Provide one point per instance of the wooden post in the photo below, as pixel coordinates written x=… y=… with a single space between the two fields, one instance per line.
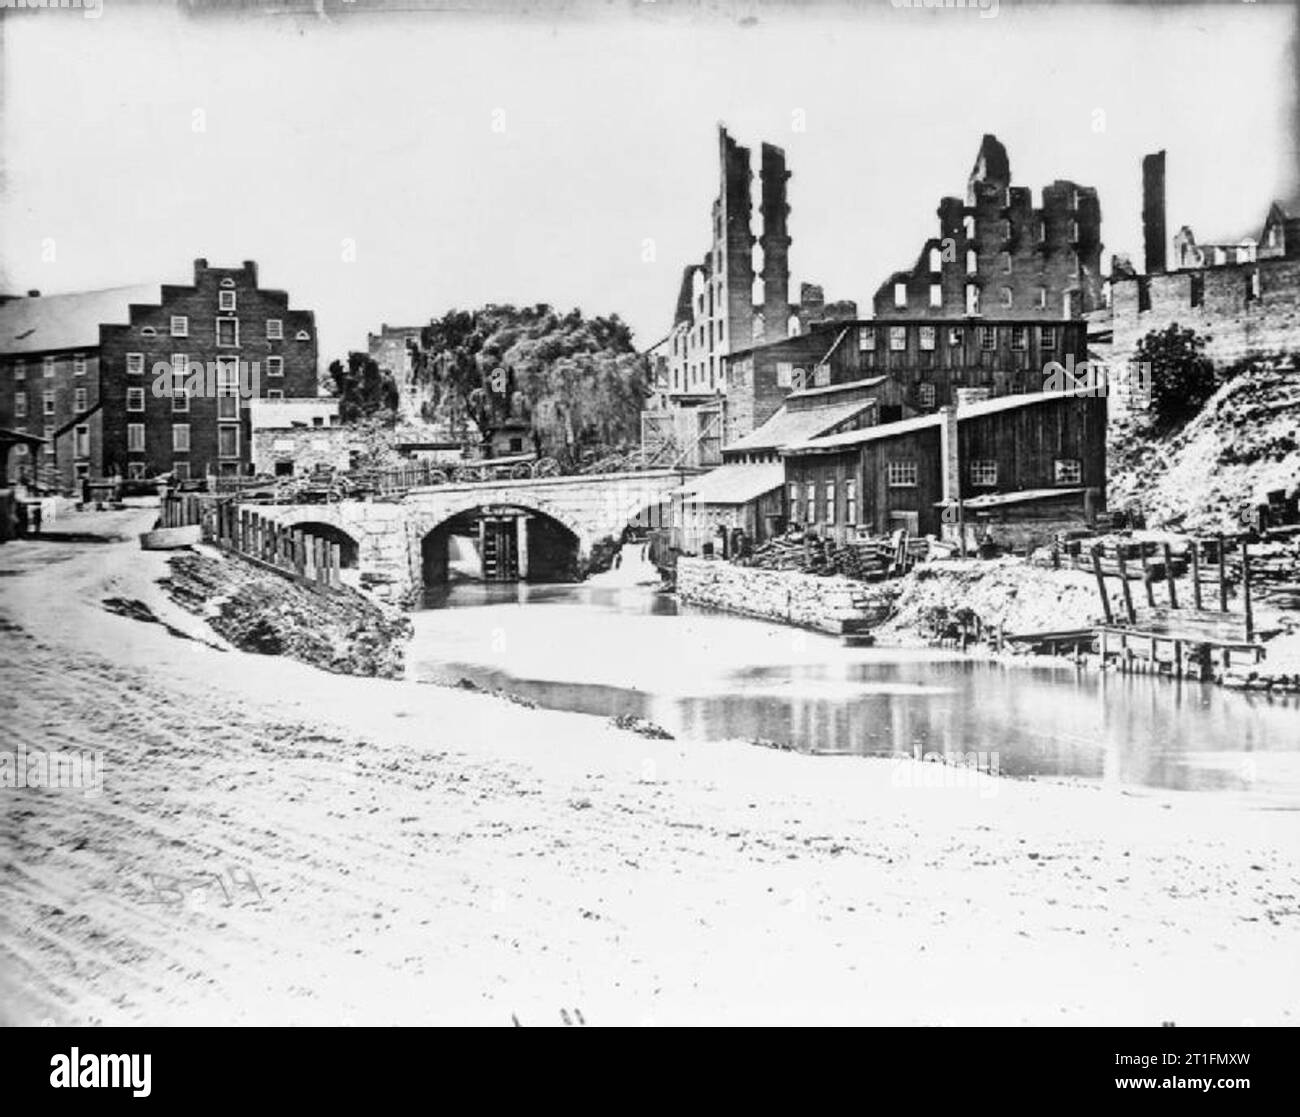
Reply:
x=1178 y=659
x=1169 y=577
x=1223 y=575
x=336 y=561
x=1196 y=572
x=1246 y=603
x=1146 y=577
x=1124 y=586
x=1101 y=586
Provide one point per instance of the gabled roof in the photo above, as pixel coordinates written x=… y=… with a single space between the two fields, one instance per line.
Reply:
x=51 y=322
x=790 y=425
x=734 y=483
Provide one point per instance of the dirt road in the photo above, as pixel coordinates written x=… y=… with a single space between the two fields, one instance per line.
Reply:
x=397 y=853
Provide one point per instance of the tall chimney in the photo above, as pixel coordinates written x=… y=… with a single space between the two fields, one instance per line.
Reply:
x=1153 y=213
x=775 y=242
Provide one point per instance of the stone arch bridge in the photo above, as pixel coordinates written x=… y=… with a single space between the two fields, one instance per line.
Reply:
x=550 y=522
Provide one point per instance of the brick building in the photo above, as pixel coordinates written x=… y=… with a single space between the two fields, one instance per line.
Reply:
x=50 y=379
x=723 y=303
x=390 y=350
x=255 y=343
x=998 y=256
x=1241 y=294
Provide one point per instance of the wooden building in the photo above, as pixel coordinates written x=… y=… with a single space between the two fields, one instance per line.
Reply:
x=733 y=496
x=1013 y=469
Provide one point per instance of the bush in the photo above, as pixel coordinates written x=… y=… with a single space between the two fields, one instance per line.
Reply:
x=1182 y=377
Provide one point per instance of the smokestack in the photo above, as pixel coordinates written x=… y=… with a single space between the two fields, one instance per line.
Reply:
x=1153 y=213
x=776 y=242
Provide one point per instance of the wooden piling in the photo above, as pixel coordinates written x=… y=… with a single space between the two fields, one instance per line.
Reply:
x=1124 y=586
x=1196 y=573
x=1247 y=604
x=1223 y=574
x=1101 y=585
x=1146 y=577
x=1169 y=576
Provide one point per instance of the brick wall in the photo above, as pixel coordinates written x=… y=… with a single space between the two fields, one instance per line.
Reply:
x=1236 y=325
x=150 y=335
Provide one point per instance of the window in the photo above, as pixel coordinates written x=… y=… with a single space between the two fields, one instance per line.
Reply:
x=180 y=399
x=1019 y=338
x=1042 y=231
x=81 y=441
x=1006 y=228
x=810 y=491
x=48 y=408
x=1197 y=290
x=794 y=500
x=968 y=227
x=78 y=364
x=180 y=438
x=181 y=470
x=851 y=501
x=1069 y=471
x=972 y=262
x=936 y=260
x=901 y=473
x=82 y=469
x=784 y=373
x=936 y=295
x=955 y=335
x=79 y=400
x=274 y=329
x=1252 y=287
x=135 y=399
x=867 y=338
x=227 y=407
x=1004 y=261
x=277 y=393
x=988 y=338
x=900 y=295
x=20 y=405
x=927 y=337
x=972 y=299
x=228 y=331
x=226 y=300
x=135 y=438
x=49 y=441
x=984 y=473
x=1047 y=337
x=1041 y=298
x=274 y=366
x=1144 y=293
x=830 y=502
x=228 y=442
x=925 y=393
x=1006 y=296
x=148 y=331
x=897 y=338
x=20 y=370
x=135 y=471
x=48 y=364
x=180 y=325
x=135 y=364
x=1074 y=232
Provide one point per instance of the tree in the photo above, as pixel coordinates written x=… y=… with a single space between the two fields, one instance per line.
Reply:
x=364 y=390
x=577 y=381
x=1182 y=377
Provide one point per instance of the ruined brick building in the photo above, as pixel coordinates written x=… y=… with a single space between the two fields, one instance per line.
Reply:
x=724 y=303
x=996 y=255
x=1241 y=294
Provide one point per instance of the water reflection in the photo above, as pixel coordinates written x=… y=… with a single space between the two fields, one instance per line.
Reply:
x=710 y=676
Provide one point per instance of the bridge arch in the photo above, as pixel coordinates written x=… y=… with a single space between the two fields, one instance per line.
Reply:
x=324 y=522
x=498 y=539
x=349 y=548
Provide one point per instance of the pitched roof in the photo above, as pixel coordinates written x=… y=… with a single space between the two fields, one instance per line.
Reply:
x=907 y=426
x=50 y=322
x=789 y=425
x=734 y=484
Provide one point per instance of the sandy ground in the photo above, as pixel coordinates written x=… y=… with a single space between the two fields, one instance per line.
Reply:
x=425 y=855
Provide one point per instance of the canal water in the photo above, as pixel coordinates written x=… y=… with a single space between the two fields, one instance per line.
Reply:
x=615 y=646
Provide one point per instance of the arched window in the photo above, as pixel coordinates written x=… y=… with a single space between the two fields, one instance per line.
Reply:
x=936 y=260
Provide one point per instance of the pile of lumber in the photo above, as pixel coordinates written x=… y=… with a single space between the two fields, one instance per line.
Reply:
x=864 y=561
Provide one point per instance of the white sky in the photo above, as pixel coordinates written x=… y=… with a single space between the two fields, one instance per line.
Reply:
x=380 y=129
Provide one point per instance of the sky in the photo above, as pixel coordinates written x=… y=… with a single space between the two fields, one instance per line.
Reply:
x=387 y=167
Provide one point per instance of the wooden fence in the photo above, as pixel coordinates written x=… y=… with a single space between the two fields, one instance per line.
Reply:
x=225 y=524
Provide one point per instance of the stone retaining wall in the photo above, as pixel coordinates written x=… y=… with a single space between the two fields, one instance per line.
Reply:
x=781 y=595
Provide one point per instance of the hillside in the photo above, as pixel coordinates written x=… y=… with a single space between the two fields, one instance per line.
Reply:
x=1244 y=443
